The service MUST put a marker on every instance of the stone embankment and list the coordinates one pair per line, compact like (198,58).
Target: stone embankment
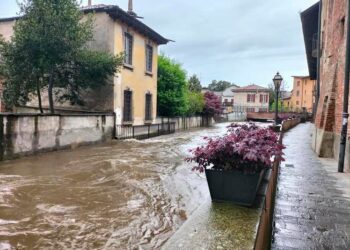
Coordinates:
(25,134)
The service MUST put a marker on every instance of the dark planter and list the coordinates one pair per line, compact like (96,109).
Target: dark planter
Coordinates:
(233,186)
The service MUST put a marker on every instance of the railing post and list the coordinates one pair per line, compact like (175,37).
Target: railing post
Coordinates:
(133,132)
(149,129)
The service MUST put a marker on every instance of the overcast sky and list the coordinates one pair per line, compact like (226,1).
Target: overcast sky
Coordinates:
(241,41)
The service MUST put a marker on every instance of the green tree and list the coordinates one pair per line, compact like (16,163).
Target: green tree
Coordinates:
(49,48)
(195,103)
(194,84)
(272,92)
(172,88)
(219,85)
(273,106)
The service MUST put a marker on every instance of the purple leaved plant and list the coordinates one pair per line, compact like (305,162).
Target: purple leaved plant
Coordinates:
(247,148)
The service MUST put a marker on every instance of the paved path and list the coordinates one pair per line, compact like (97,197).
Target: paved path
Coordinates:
(313,200)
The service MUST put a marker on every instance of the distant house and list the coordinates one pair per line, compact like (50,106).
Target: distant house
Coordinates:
(226,96)
(302,94)
(132,94)
(286,100)
(251,98)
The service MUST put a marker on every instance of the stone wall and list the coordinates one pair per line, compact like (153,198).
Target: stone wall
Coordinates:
(25,134)
(183,123)
(289,124)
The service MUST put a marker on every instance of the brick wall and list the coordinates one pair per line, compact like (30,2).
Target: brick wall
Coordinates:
(333,38)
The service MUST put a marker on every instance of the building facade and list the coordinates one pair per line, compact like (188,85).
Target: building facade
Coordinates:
(251,98)
(325,31)
(302,94)
(131,94)
(228,99)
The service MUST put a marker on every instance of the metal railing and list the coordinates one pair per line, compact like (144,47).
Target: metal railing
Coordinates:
(258,108)
(142,132)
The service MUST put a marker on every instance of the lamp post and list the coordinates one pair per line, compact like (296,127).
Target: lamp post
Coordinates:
(277,81)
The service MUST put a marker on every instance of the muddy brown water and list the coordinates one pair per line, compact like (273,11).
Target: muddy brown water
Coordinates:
(124,195)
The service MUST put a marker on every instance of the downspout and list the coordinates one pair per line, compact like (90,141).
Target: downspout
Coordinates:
(318,80)
(318,83)
(346,97)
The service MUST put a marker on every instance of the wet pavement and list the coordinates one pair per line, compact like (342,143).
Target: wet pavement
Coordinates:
(217,226)
(313,200)
(123,195)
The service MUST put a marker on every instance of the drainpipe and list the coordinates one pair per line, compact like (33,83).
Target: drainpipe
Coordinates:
(318,80)
(318,83)
(346,98)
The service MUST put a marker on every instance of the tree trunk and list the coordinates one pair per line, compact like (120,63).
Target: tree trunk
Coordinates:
(39,95)
(50,90)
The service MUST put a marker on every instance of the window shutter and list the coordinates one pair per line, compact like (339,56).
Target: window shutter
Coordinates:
(149,58)
(148,113)
(248,99)
(261,98)
(127,114)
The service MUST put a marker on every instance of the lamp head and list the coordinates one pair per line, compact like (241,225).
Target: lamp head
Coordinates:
(277,81)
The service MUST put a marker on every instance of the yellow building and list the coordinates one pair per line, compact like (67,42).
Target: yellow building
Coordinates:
(302,94)
(132,94)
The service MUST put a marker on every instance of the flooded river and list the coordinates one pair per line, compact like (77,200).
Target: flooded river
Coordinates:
(124,195)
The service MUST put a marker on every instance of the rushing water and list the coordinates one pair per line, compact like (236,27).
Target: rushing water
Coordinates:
(124,195)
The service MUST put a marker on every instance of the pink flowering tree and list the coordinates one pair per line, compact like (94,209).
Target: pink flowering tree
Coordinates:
(212,105)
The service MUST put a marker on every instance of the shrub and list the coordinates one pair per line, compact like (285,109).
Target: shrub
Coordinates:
(212,105)
(247,148)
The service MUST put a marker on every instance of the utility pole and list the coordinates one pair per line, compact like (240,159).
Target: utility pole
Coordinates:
(344,131)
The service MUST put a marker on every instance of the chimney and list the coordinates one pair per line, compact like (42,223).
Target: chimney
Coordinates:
(89,3)
(130,9)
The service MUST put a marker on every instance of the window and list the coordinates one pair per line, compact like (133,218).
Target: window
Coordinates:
(298,93)
(127,111)
(251,98)
(342,26)
(298,83)
(264,98)
(297,102)
(250,109)
(128,48)
(149,58)
(148,106)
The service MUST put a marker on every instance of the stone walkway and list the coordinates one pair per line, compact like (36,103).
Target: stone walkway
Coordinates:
(313,200)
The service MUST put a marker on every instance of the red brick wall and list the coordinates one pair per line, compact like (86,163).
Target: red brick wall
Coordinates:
(333,38)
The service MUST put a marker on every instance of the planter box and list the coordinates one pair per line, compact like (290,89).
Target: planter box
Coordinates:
(233,186)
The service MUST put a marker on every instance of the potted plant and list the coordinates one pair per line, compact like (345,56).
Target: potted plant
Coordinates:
(235,163)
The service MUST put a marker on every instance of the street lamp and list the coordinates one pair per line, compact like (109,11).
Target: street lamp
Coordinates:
(277,81)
